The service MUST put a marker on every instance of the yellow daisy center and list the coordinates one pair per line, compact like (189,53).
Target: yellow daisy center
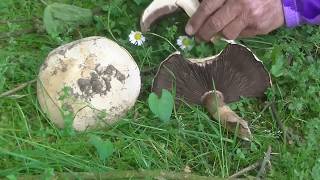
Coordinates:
(137,36)
(186,42)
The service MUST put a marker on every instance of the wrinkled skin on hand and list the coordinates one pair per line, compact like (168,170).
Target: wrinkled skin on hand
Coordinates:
(234,18)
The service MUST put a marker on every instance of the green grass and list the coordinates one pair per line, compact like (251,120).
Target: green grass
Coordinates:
(30,145)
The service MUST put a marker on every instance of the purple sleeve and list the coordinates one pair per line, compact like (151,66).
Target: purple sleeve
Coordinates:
(298,12)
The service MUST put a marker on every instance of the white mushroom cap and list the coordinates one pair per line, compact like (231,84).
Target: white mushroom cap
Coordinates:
(93,78)
(160,8)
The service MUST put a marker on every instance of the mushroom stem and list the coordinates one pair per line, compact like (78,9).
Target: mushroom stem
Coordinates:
(214,102)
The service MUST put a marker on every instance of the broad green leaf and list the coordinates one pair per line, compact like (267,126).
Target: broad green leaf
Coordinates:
(58,17)
(153,102)
(276,52)
(103,148)
(277,68)
(11,177)
(166,105)
(277,61)
(161,107)
(4,6)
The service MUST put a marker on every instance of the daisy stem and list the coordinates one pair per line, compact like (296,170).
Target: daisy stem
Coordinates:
(154,34)
(108,26)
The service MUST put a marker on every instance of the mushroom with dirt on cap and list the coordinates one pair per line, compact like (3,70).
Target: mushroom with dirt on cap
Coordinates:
(93,82)
(215,81)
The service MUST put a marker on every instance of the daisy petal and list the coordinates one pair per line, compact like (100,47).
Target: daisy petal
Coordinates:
(136,38)
(185,43)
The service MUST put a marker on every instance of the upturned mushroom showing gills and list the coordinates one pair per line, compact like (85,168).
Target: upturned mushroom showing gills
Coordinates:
(93,82)
(215,81)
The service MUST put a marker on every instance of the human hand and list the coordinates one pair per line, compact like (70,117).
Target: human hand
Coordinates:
(234,18)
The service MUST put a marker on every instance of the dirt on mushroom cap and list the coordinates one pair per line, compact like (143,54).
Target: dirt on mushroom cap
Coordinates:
(90,76)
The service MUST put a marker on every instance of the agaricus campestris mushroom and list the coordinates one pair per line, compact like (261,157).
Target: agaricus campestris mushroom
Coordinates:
(160,8)
(215,81)
(93,80)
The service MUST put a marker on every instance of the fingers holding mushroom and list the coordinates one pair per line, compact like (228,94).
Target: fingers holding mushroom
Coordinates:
(234,18)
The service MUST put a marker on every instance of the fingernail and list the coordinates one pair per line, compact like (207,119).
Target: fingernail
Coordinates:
(189,30)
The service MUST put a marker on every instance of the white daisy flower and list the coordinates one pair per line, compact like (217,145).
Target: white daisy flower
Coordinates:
(185,43)
(136,38)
